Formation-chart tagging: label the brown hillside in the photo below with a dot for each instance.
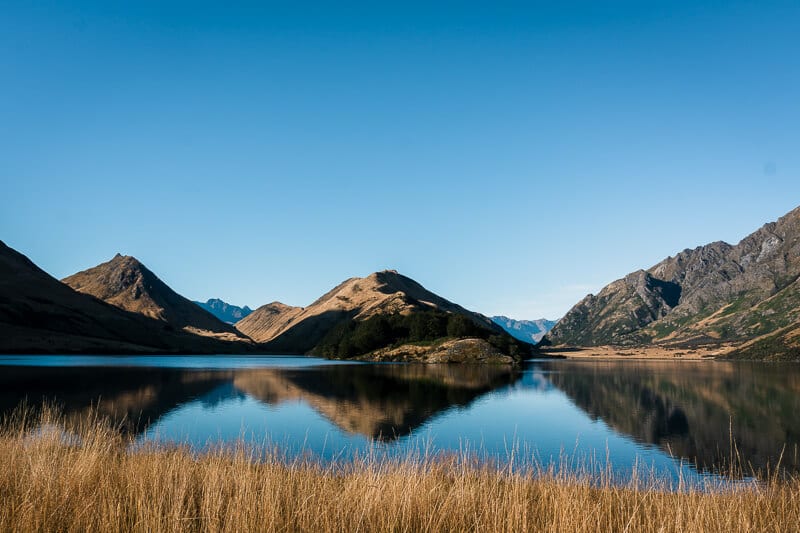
(299, 329)
(126, 283)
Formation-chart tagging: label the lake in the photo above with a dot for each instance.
(679, 419)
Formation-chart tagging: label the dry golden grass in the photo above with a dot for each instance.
(89, 479)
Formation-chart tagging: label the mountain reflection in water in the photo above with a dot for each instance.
(694, 410)
(381, 402)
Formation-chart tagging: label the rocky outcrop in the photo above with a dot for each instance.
(713, 293)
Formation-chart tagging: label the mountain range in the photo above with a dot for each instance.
(228, 313)
(745, 296)
(525, 330)
(742, 298)
(121, 306)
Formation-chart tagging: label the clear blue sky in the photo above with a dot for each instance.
(511, 157)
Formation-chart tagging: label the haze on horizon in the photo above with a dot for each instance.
(510, 157)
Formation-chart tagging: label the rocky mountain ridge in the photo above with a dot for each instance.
(747, 294)
(228, 313)
(122, 307)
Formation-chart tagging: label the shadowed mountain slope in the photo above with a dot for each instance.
(747, 293)
(126, 283)
(39, 314)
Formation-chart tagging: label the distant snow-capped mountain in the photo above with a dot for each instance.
(225, 311)
(525, 330)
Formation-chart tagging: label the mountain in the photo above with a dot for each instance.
(362, 315)
(747, 295)
(525, 330)
(268, 321)
(39, 314)
(230, 314)
(126, 283)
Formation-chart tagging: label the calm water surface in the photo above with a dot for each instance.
(678, 418)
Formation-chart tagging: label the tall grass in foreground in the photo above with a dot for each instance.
(89, 479)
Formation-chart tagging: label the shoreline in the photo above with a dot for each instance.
(639, 353)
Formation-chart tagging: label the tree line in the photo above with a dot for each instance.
(354, 338)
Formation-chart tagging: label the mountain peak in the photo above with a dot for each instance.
(278, 305)
(125, 259)
(228, 313)
(127, 283)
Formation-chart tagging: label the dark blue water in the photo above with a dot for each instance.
(679, 419)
